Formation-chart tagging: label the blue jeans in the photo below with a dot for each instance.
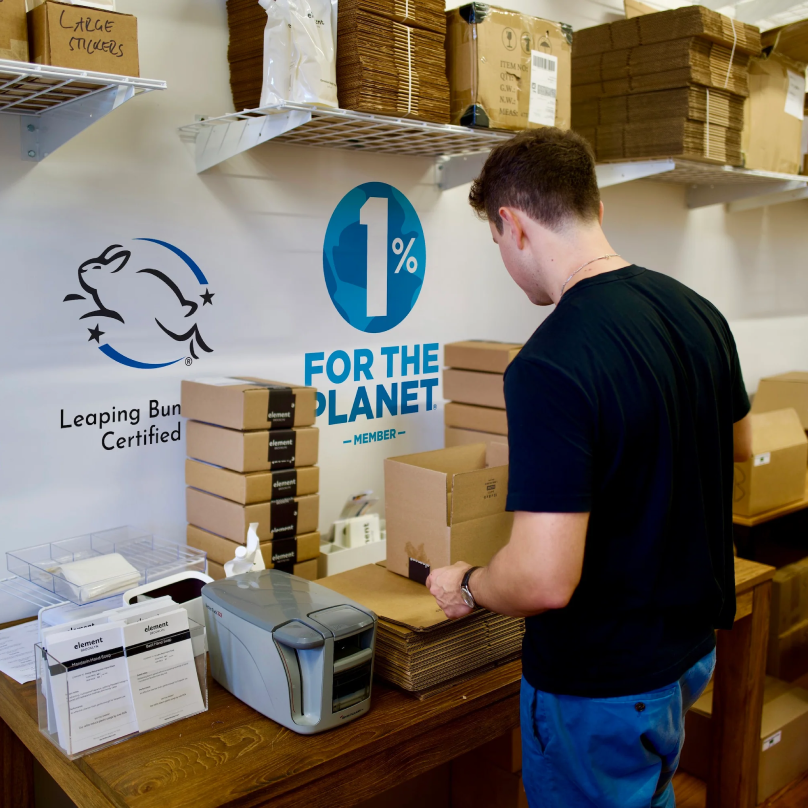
(607, 753)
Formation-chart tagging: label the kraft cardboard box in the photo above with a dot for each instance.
(478, 419)
(446, 506)
(789, 598)
(788, 653)
(772, 135)
(84, 39)
(495, 56)
(281, 553)
(783, 391)
(306, 570)
(13, 31)
(477, 785)
(775, 474)
(248, 403)
(783, 737)
(259, 486)
(265, 450)
(278, 519)
(473, 387)
(486, 356)
(463, 437)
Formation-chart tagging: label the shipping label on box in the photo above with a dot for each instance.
(446, 506)
(13, 31)
(84, 39)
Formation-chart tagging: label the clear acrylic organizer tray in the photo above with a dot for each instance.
(152, 558)
(47, 678)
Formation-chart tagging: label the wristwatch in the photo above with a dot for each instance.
(468, 598)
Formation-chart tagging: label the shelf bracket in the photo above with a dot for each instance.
(215, 144)
(766, 200)
(44, 133)
(735, 193)
(454, 171)
(618, 173)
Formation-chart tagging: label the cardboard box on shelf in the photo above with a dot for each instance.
(463, 437)
(788, 653)
(775, 474)
(489, 357)
(265, 450)
(444, 506)
(306, 569)
(258, 486)
(789, 597)
(495, 56)
(248, 403)
(280, 553)
(13, 31)
(83, 38)
(783, 735)
(478, 419)
(277, 519)
(473, 387)
(477, 785)
(772, 135)
(783, 391)
(790, 40)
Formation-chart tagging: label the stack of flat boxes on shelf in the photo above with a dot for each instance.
(252, 457)
(473, 384)
(671, 84)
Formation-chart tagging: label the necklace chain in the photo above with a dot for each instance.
(601, 258)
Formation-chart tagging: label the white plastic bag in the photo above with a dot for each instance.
(314, 51)
(278, 55)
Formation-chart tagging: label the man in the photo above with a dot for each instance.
(626, 409)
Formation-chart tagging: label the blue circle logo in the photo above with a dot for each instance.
(374, 257)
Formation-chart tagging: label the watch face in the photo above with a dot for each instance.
(467, 598)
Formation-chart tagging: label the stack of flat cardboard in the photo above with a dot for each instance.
(670, 84)
(788, 631)
(387, 67)
(417, 648)
(473, 383)
(246, 20)
(253, 454)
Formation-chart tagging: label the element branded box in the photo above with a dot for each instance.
(258, 486)
(83, 38)
(13, 31)
(264, 450)
(248, 403)
(783, 391)
(477, 419)
(444, 506)
(281, 553)
(495, 57)
(482, 355)
(775, 474)
(473, 387)
(280, 518)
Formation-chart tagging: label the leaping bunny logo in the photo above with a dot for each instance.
(117, 298)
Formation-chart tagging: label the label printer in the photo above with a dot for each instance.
(295, 651)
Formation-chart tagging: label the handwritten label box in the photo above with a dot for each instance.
(13, 31)
(84, 39)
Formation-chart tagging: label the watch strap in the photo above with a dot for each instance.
(467, 578)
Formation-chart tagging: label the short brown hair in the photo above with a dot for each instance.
(547, 173)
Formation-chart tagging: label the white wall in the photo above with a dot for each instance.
(255, 225)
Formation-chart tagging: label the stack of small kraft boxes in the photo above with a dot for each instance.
(670, 84)
(252, 454)
(473, 383)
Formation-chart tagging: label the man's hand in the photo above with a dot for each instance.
(444, 584)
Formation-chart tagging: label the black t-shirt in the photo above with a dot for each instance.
(622, 404)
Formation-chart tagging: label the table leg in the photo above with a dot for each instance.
(738, 707)
(17, 768)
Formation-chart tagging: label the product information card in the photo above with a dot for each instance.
(17, 651)
(165, 686)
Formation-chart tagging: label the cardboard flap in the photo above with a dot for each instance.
(496, 454)
(447, 461)
(783, 709)
(480, 493)
(392, 597)
(779, 429)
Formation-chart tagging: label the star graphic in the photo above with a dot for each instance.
(207, 298)
(96, 334)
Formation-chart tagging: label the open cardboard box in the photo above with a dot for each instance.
(784, 391)
(775, 474)
(446, 506)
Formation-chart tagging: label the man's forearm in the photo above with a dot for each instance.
(499, 590)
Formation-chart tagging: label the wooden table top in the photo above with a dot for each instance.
(749, 574)
(775, 513)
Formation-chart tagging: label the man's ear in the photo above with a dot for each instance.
(512, 219)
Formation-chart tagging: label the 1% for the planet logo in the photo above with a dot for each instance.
(398, 248)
